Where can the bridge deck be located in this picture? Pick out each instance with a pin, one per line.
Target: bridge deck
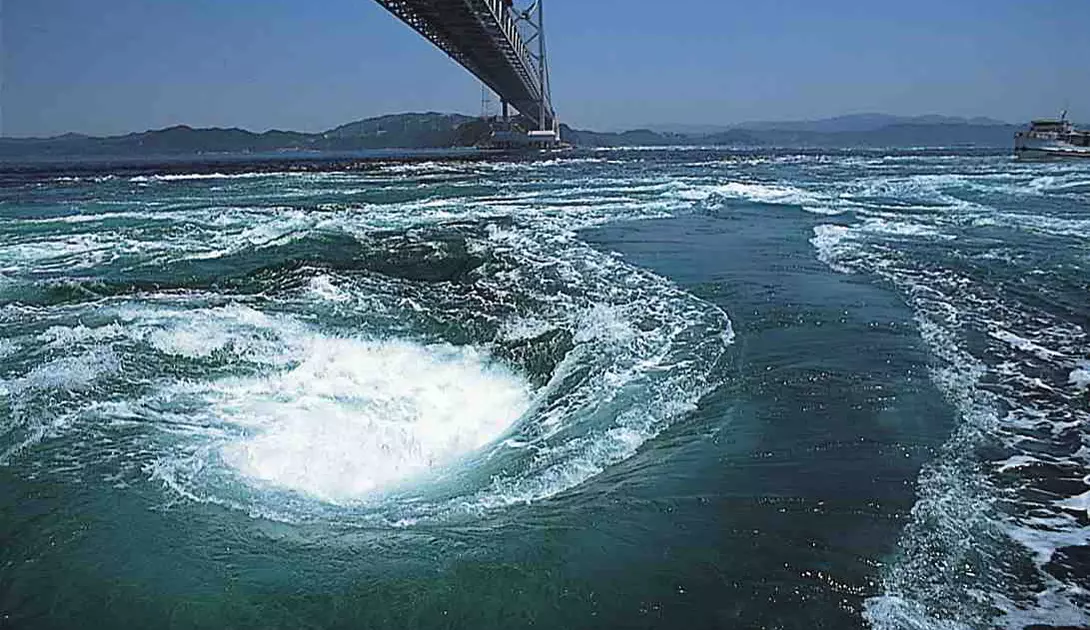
(482, 36)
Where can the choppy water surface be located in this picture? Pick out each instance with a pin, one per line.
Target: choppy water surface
(623, 388)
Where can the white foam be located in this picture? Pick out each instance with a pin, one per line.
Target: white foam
(200, 176)
(838, 245)
(890, 612)
(322, 287)
(236, 328)
(604, 323)
(1053, 608)
(1025, 345)
(1044, 535)
(63, 336)
(1049, 225)
(1016, 462)
(575, 461)
(881, 225)
(1058, 183)
(523, 328)
(69, 373)
(760, 193)
(1079, 502)
(1080, 376)
(830, 242)
(7, 348)
(358, 416)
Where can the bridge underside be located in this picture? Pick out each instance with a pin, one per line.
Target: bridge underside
(482, 36)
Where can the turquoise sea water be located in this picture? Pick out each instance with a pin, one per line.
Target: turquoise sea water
(626, 388)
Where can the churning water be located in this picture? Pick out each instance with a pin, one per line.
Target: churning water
(614, 389)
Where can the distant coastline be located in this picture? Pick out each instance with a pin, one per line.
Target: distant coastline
(432, 130)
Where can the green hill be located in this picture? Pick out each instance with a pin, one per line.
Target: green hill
(438, 130)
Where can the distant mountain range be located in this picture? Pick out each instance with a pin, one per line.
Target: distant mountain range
(893, 135)
(403, 131)
(854, 130)
(436, 130)
(850, 123)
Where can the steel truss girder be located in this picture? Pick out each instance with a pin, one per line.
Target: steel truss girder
(483, 37)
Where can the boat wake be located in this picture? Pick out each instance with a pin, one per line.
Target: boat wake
(1000, 532)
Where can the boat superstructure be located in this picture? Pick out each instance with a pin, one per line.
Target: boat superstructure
(1052, 139)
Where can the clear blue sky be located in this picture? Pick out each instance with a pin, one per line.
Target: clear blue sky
(113, 66)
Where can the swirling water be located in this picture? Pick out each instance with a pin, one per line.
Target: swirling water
(631, 388)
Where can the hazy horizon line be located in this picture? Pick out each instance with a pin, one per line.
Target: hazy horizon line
(719, 126)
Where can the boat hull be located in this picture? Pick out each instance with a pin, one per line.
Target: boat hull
(1030, 148)
(1051, 153)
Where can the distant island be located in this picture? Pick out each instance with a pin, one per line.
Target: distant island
(438, 130)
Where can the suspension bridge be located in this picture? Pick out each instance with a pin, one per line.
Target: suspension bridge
(501, 45)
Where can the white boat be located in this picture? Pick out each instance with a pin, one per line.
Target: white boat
(1047, 139)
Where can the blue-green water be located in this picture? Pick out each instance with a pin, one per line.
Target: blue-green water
(661, 388)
